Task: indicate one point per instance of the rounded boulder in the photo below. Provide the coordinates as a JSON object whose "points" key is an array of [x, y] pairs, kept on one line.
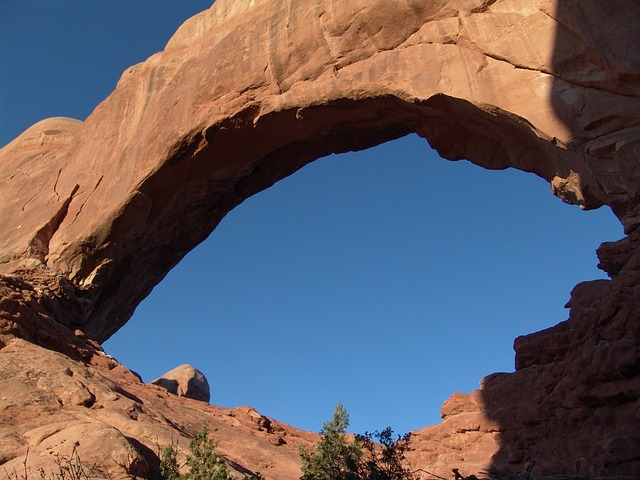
{"points": [[185, 381]]}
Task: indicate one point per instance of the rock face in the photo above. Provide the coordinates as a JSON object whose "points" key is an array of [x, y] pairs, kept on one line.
{"points": [[95, 213], [573, 404], [185, 381], [53, 405], [547, 87]]}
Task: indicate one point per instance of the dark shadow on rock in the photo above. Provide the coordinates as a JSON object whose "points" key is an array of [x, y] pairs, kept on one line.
{"points": [[170, 386], [129, 395], [571, 407], [149, 464], [596, 68]]}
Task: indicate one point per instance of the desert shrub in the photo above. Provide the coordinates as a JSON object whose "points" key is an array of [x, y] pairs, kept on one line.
{"points": [[169, 467], [372, 456], [383, 457], [203, 461], [67, 468], [334, 457]]}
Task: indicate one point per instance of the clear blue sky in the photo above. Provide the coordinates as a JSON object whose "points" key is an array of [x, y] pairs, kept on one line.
{"points": [[385, 279]]}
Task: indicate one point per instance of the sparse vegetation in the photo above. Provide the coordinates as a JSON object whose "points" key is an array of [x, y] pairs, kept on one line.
{"points": [[67, 468], [203, 461], [383, 457], [169, 467], [335, 457]]}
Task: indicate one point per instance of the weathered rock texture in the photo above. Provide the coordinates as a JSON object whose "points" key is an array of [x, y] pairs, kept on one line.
{"points": [[52, 405], [185, 381], [95, 213], [572, 406]]}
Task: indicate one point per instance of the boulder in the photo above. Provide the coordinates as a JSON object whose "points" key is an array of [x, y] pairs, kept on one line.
{"points": [[59, 412], [185, 381]]}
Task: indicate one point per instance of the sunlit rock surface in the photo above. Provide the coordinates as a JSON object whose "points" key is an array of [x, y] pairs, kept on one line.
{"points": [[51, 404], [185, 381], [95, 213]]}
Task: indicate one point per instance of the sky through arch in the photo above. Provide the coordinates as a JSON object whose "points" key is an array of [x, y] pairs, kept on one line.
{"points": [[384, 279]]}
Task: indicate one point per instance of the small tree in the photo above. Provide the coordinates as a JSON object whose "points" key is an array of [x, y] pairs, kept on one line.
{"points": [[384, 459], [372, 456], [169, 467], [334, 458], [203, 462]]}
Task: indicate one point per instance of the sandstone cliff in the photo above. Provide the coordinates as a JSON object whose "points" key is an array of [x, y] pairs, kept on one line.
{"points": [[95, 213]]}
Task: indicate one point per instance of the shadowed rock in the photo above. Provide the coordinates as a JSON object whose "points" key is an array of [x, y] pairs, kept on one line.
{"points": [[185, 381]]}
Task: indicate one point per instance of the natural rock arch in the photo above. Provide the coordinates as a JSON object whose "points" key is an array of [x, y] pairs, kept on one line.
{"points": [[493, 101], [547, 87], [292, 270]]}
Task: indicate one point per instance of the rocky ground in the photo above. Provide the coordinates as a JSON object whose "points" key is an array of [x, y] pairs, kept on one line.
{"points": [[60, 393], [51, 405]]}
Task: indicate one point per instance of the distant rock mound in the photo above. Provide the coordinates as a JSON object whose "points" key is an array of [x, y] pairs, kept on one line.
{"points": [[100, 413], [185, 381]]}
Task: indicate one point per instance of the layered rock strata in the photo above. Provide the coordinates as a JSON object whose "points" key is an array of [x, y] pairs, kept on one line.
{"points": [[95, 213]]}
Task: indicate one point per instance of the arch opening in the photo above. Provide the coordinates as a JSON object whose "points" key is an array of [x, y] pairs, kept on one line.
{"points": [[385, 279]]}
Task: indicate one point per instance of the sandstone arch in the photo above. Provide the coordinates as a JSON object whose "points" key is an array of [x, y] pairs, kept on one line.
{"points": [[220, 115]]}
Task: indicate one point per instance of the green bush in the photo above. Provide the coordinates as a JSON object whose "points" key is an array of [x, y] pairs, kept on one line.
{"points": [[169, 467], [203, 461], [334, 458], [384, 457], [337, 458]]}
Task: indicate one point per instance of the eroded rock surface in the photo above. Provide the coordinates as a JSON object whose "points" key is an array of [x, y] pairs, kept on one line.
{"points": [[95, 213], [572, 405], [53, 405]]}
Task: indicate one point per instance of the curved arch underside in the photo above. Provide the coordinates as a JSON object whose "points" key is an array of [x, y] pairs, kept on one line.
{"points": [[250, 91]]}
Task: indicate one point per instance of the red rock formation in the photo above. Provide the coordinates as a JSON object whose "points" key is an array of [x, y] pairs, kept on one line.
{"points": [[53, 405], [572, 406], [95, 213]]}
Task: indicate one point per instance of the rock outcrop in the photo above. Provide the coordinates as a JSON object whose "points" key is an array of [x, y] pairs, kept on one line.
{"points": [[95, 213], [185, 381], [98, 412], [573, 404]]}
